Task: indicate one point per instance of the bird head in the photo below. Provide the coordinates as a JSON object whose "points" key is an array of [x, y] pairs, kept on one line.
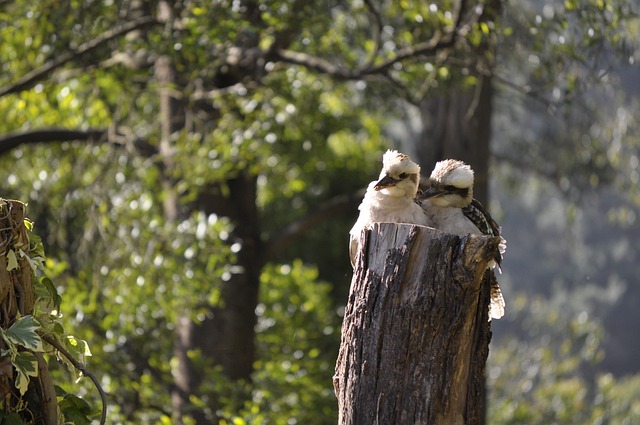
{"points": [[399, 176], [451, 184]]}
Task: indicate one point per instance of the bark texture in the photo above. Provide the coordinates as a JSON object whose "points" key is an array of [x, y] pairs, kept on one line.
{"points": [[416, 335]]}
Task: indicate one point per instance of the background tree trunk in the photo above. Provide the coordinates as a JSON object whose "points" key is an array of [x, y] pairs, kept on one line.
{"points": [[456, 122], [227, 334], [415, 336]]}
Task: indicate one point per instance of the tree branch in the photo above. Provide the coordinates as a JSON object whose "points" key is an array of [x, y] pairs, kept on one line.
{"points": [[82, 368], [11, 141], [436, 43], [31, 78], [439, 41], [336, 205]]}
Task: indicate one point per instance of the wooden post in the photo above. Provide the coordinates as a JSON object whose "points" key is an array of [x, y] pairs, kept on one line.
{"points": [[415, 336]]}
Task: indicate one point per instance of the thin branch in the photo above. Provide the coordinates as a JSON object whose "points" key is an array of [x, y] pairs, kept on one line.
{"points": [[377, 34], [82, 368], [438, 42], [551, 175], [527, 91], [237, 89], [334, 206], [31, 78]]}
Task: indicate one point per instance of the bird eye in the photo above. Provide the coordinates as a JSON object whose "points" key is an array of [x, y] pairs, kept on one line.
{"points": [[403, 175], [450, 188]]}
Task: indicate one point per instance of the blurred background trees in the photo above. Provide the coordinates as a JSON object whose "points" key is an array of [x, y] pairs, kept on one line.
{"points": [[194, 167]]}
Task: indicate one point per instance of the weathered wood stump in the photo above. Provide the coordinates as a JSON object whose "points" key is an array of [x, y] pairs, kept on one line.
{"points": [[415, 334]]}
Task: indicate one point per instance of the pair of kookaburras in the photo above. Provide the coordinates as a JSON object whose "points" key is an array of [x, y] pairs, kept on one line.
{"points": [[447, 205]]}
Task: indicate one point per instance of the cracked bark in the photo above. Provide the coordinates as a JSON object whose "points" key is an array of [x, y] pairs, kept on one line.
{"points": [[415, 336]]}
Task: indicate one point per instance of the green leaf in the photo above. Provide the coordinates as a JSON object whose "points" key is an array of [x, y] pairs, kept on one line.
{"points": [[75, 409], [28, 224], [47, 291], [23, 332], [60, 392], [12, 260], [11, 419], [71, 401], [26, 365], [199, 11], [76, 417], [80, 346], [36, 247], [35, 261], [570, 5]]}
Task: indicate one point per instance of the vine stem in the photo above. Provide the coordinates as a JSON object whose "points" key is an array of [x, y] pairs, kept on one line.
{"points": [[82, 368]]}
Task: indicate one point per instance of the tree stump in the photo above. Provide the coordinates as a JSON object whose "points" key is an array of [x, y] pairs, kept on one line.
{"points": [[415, 336]]}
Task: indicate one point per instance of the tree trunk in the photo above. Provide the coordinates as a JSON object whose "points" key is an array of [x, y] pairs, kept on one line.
{"points": [[172, 121], [227, 335], [457, 124], [17, 299], [457, 121], [415, 336]]}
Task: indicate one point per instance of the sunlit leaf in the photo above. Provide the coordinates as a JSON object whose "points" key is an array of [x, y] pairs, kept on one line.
{"points": [[12, 260], [26, 366], [23, 332], [78, 346]]}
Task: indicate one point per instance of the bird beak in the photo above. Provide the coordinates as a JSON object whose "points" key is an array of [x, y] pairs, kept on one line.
{"points": [[431, 192], [386, 181]]}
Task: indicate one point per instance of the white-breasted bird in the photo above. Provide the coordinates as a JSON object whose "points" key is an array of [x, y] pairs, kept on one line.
{"points": [[390, 199], [451, 208]]}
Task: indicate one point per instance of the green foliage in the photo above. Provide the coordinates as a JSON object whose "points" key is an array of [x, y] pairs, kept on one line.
{"points": [[297, 345], [548, 375], [74, 409]]}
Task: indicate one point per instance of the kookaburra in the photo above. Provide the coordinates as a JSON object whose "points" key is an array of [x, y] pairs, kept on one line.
{"points": [[451, 208], [390, 199]]}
